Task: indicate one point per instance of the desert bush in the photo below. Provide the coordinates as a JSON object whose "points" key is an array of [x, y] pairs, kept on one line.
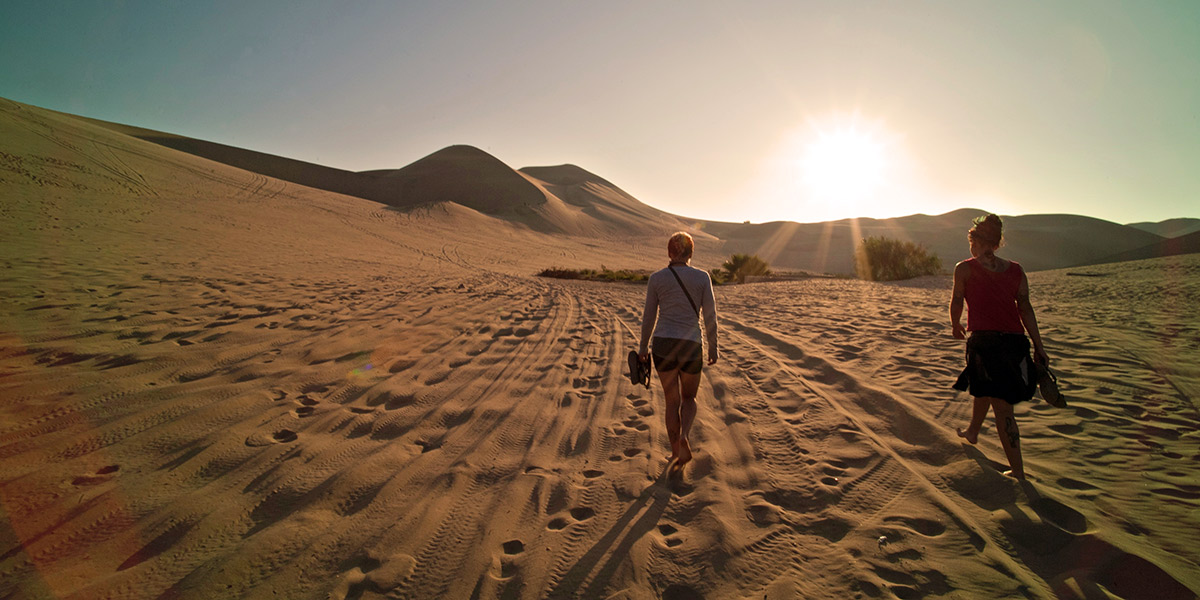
{"points": [[603, 274], [741, 266], [885, 259]]}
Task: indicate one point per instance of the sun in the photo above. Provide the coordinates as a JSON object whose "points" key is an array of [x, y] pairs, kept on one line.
{"points": [[840, 165], [844, 163]]}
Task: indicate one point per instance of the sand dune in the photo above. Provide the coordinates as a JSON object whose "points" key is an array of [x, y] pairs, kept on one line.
{"points": [[1038, 242], [569, 200], [461, 174], [1184, 244], [1170, 228], [218, 384]]}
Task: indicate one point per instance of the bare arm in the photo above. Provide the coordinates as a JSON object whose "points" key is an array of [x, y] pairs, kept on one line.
{"points": [[961, 270], [649, 318], [709, 306], [1030, 321]]}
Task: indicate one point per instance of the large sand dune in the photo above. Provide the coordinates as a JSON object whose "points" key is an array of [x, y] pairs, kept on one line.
{"points": [[219, 384], [567, 199], [571, 201]]}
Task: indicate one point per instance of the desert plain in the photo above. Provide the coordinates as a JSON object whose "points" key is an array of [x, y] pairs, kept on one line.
{"points": [[216, 383]]}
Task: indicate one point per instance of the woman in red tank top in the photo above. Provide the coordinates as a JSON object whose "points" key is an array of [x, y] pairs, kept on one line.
{"points": [[998, 373]]}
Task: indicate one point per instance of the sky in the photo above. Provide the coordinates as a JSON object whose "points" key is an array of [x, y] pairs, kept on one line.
{"points": [[751, 111]]}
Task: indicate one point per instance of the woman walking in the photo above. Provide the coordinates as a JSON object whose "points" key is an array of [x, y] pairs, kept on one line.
{"points": [[998, 371], [676, 297]]}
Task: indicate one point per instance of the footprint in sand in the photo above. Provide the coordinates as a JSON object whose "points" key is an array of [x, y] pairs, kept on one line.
{"points": [[578, 514], [732, 417], [284, 436], [925, 527], [668, 532], [1075, 484], [1066, 428], [508, 569], [582, 513], [1057, 513], [100, 476], [592, 473]]}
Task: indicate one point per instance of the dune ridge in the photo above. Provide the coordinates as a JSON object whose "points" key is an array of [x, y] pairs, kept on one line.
{"points": [[576, 202], [221, 384]]}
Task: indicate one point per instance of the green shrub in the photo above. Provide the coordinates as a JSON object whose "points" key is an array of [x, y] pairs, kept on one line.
{"points": [[604, 274], [885, 259], [741, 266]]}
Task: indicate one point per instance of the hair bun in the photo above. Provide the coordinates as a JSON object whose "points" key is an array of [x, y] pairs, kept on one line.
{"points": [[989, 229]]}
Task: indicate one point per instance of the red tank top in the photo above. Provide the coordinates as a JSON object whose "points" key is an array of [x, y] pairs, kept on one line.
{"points": [[992, 298]]}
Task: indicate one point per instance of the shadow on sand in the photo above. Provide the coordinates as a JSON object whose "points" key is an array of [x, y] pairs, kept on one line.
{"points": [[590, 575]]}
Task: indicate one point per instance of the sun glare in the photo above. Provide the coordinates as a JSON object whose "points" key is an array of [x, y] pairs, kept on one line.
{"points": [[837, 166], [845, 164]]}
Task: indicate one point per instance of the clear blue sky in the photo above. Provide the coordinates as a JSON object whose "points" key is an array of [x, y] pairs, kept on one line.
{"points": [[707, 109]]}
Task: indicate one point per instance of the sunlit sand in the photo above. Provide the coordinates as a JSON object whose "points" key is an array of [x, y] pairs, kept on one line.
{"points": [[220, 384]]}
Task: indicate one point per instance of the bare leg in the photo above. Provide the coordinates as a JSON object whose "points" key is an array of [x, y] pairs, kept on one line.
{"points": [[978, 414], [1010, 436], [689, 384], [671, 391]]}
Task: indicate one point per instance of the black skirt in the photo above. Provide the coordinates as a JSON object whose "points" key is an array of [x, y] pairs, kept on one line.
{"points": [[998, 366]]}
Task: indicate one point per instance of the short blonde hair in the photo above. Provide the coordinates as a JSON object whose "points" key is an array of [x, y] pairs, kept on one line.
{"points": [[680, 246]]}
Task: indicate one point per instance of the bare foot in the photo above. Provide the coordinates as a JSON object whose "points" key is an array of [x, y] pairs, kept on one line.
{"points": [[674, 450], [966, 435], [685, 452], [1009, 473]]}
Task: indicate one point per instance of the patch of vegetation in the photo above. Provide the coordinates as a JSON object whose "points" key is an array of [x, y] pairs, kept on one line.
{"points": [[739, 267], [885, 259], [603, 274]]}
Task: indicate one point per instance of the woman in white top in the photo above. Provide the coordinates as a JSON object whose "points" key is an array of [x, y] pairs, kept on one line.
{"points": [[675, 298]]}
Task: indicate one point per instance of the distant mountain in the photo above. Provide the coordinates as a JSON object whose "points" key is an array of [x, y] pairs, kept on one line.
{"points": [[464, 175], [461, 174], [1170, 228], [1184, 244], [599, 202], [1038, 242], [287, 169], [569, 200]]}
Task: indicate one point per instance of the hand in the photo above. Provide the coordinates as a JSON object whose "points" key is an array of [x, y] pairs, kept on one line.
{"points": [[712, 355], [1040, 357], [959, 332], [644, 356]]}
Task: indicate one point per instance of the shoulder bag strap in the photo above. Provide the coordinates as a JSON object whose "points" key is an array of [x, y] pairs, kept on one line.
{"points": [[685, 292]]}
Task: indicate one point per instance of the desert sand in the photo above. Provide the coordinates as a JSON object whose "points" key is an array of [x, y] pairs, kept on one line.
{"points": [[218, 384]]}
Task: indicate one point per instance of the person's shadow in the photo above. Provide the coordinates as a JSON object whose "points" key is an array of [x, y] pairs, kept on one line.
{"points": [[606, 554]]}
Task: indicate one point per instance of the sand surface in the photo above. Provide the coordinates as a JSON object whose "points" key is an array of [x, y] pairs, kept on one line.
{"points": [[216, 384]]}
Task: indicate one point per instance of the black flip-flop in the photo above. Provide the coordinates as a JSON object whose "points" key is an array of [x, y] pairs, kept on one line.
{"points": [[639, 372], [1048, 385]]}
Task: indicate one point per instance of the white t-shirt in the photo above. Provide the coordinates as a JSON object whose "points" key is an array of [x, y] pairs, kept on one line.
{"points": [[668, 314]]}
